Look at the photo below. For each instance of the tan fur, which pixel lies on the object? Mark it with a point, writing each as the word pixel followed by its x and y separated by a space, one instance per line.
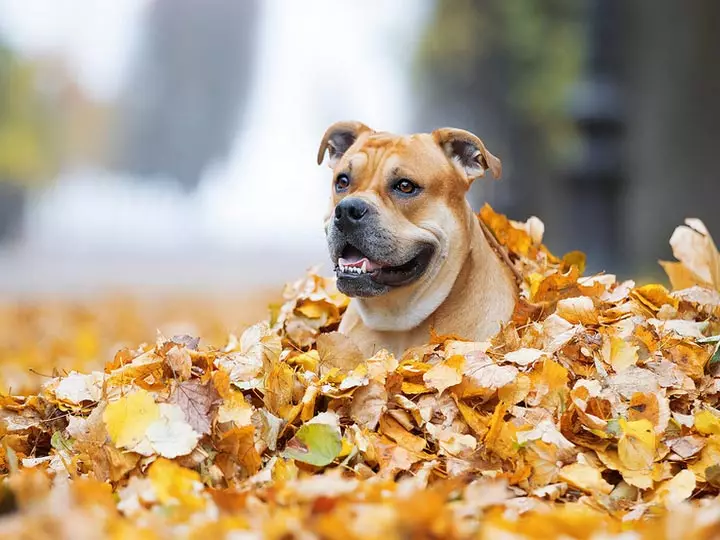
pixel 466 290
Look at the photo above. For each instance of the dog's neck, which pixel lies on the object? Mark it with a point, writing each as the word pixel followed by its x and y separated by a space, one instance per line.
pixel 444 298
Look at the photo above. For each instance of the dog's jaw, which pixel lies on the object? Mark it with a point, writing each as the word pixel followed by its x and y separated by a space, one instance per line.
pixel 405 308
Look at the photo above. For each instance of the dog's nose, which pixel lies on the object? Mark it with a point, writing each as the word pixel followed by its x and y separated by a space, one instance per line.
pixel 349 212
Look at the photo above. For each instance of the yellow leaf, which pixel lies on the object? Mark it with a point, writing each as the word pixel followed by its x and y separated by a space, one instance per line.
pixel 128 418
pixel 309 361
pixel 516 391
pixel 636 447
pixel 680 276
pixel 284 470
pixel 308 403
pixel 233 408
pixel 550 382
pixel 652 407
pixel 409 368
pixel 496 422
pixel 278 387
pixel 577 310
pixel 415 388
pixel 622 354
pixel 641 479
pixel 585 477
pixel 709 457
pixel 707 423
pixel 516 240
pixel 653 296
pixel 445 374
pixel 689 357
pixel 176 485
pixel 476 421
pixel 675 490
pixel 577 258
pixel 392 428
pixel 694 247
pixel 313 310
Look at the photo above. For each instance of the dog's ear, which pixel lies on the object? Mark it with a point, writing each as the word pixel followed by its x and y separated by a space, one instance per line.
pixel 337 139
pixel 468 152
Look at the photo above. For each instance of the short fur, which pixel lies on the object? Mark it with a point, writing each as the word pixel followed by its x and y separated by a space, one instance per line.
pixel 466 289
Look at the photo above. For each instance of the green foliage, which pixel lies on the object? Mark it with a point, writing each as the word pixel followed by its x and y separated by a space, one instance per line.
pixel 26 132
pixel 536 48
pixel 316 444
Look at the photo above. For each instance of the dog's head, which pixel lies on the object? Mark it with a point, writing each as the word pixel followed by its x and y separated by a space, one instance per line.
pixel 399 220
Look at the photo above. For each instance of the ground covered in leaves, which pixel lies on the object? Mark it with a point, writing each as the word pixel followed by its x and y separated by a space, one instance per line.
pixel 592 414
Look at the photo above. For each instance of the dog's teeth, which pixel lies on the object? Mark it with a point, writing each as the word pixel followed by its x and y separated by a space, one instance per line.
pixel 364 267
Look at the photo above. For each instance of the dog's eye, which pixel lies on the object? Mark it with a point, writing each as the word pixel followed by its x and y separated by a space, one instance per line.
pixel 406 187
pixel 342 182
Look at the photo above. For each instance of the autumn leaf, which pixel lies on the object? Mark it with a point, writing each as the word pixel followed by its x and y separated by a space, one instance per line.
pixel 524 356
pixel 317 444
pixel 707 422
pixel 445 374
pixel 585 478
pixel 482 373
pixel 196 399
pixel 637 444
pixel 128 418
pixel 279 383
pixel 679 488
pixel 619 353
pixel 392 428
pixel 76 387
pixel 693 246
pixel 516 239
pixel 368 404
pixel 170 435
pixel 337 350
pixel 175 485
pixel 654 297
pixel 180 362
pixel 577 310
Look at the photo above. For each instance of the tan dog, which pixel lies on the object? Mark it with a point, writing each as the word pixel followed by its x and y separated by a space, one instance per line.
pixel 406 243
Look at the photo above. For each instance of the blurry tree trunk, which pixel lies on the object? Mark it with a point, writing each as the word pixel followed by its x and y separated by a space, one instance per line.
pixel 672 78
pixel 596 178
pixel 12 205
pixel 183 106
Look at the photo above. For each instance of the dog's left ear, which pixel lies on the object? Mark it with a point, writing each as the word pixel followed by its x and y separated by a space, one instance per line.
pixel 468 152
pixel 337 139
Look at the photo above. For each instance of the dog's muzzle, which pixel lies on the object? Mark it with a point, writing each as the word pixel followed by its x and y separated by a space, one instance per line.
pixel 369 258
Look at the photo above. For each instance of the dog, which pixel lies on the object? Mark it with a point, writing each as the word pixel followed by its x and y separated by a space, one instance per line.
pixel 407 247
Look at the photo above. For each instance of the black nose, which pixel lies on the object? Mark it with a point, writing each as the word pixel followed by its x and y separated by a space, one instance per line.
pixel 349 212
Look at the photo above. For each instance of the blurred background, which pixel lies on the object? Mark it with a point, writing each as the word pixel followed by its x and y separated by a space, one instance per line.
pixel 167 147
pixel 166 144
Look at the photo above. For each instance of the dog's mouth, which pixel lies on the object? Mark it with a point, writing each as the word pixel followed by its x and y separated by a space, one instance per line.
pixel 354 264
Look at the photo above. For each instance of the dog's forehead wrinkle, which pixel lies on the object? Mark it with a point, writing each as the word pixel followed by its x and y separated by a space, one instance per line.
pixel 357 162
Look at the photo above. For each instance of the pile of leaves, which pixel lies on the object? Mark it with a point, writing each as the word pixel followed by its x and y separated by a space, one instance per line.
pixel 592 414
pixel 41 335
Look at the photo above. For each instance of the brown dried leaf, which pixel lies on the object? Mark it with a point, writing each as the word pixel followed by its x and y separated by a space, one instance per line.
pixel 337 350
pixel 368 404
pixel 196 400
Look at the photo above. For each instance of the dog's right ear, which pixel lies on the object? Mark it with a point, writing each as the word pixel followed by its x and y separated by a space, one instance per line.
pixel 337 139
